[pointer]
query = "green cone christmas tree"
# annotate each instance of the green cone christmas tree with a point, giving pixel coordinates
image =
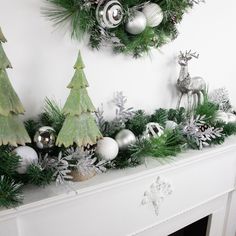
(79, 126)
(12, 130)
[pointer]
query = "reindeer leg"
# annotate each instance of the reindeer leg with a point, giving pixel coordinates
(189, 95)
(199, 98)
(179, 100)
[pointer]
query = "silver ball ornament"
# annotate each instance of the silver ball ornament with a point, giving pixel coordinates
(109, 13)
(222, 116)
(28, 156)
(136, 24)
(153, 14)
(231, 117)
(170, 125)
(153, 130)
(125, 138)
(107, 148)
(45, 137)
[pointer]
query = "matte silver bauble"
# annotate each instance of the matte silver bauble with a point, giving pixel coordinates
(107, 148)
(109, 13)
(222, 116)
(28, 156)
(153, 130)
(231, 117)
(153, 13)
(125, 138)
(170, 125)
(45, 137)
(136, 24)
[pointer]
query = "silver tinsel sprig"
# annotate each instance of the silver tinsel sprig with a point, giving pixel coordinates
(60, 166)
(193, 131)
(122, 114)
(220, 97)
(85, 161)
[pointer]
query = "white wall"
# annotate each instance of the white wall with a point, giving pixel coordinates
(43, 58)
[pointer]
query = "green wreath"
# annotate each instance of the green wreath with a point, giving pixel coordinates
(130, 27)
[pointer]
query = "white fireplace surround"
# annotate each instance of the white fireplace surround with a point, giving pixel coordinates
(156, 199)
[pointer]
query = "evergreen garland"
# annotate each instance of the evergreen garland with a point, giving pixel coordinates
(81, 15)
(55, 165)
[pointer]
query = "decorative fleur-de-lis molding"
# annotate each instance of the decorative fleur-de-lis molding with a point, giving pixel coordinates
(157, 192)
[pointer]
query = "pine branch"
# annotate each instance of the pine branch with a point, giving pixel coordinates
(10, 192)
(137, 124)
(8, 162)
(52, 115)
(160, 116)
(168, 144)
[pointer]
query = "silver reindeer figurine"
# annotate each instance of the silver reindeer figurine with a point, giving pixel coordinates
(191, 86)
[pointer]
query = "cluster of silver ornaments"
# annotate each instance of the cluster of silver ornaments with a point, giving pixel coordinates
(125, 138)
(109, 13)
(150, 16)
(45, 137)
(28, 156)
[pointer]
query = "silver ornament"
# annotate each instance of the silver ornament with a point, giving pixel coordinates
(153, 13)
(28, 156)
(109, 13)
(45, 137)
(222, 116)
(125, 138)
(231, 117)
(153, 130)
(136, 24)
(107, 148)
(170, 125)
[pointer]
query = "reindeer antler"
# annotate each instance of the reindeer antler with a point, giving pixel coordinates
(188, 55)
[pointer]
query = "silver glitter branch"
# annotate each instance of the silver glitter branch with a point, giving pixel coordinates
(86, 162)
(193, 131)
(220, 97)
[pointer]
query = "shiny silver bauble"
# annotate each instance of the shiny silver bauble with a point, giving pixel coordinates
(136, 24)
(28, 156)
(153, 14)
(109, 13)
(45, 137)
(107, 149)
(125, 138)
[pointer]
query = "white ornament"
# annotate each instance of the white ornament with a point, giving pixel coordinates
(28, 156)
(170, 125)
(154, 14)
(107, 148)
(153, 130)
(222, 116)
(125, 138)
(136, 24)
(231, 117)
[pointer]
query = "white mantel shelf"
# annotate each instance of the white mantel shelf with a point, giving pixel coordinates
(118, 193)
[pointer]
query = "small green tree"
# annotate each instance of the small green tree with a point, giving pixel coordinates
(12, 130)
(79, 127)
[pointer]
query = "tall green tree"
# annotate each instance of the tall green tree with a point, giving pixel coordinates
(12, 130)
(79, 127)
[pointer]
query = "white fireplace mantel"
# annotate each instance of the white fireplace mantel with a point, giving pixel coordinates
(152, 199)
